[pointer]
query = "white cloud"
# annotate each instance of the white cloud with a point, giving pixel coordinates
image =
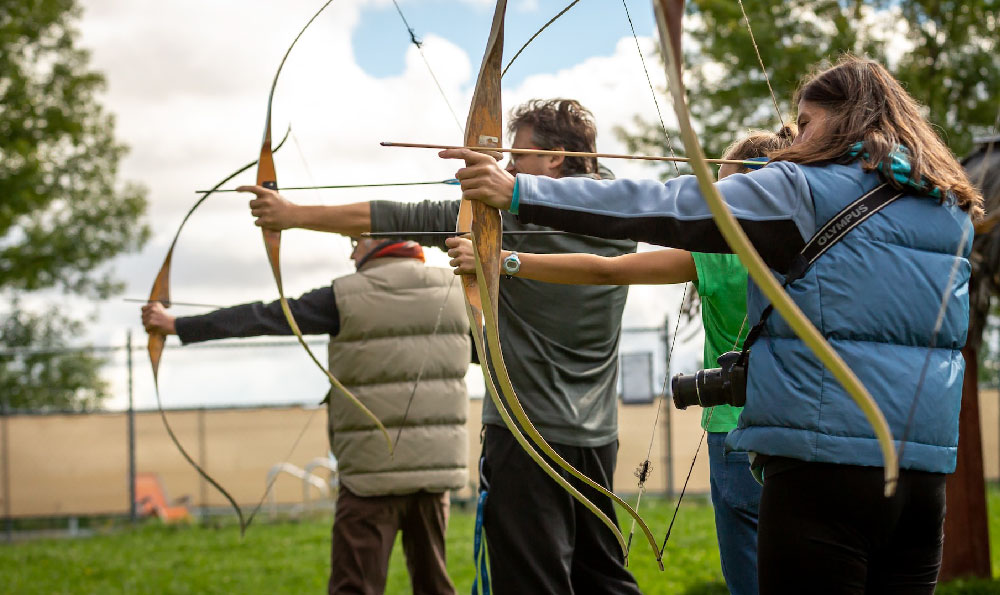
(527, 6)
(614, 88)
(189, 84)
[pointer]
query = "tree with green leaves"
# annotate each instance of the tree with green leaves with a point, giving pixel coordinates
(64, 212)
(954, 66)
(44, 375)
(946, 54)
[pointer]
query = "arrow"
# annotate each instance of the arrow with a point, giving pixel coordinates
(450, 234)
(168, 303)
(744, 163)
(449, 182)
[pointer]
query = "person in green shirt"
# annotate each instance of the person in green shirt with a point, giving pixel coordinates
(721, 281)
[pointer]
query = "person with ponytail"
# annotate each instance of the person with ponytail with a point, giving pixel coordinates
(891, 296)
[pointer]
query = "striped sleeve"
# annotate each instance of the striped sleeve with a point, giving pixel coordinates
(773, 205)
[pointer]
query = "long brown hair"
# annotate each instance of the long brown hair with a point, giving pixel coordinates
(865, 104)
(560, 123)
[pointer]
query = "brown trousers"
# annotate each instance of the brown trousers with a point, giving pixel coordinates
(364, 531)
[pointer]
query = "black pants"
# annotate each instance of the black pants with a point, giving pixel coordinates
(540, 539)
(827, 528)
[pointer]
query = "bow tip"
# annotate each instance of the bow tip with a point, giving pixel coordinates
(890, 485)
(389, 443)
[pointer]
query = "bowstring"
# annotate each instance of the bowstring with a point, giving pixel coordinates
(291, 451)
(644, 469)
(423, 363)
(704, 432)
(670, 146)
(244, 524)
(305, 166)
(537, 33)
(945, 298)
(420, 49)
(270, 484)
(312, 180)
(418, 43)
(763, 69)
(444, 302)
(701, 441)
(944, 303)
(652, 91)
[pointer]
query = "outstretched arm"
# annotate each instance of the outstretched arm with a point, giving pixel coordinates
(316, 312)
(274, 211)
(773, 205)
(658, 267)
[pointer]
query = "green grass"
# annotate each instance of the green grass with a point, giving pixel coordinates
(293, 557)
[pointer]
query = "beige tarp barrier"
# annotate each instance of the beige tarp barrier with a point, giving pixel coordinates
(66, 465)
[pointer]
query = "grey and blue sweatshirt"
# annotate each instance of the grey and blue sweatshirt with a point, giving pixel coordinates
(875, 296)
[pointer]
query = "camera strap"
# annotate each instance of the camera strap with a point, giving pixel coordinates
(832, 232)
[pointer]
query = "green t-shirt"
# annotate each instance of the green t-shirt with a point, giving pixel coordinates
(722, 285)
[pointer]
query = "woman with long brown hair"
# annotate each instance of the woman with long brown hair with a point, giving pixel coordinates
(875, 294)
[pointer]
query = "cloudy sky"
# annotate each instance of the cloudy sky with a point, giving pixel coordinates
(188, 82)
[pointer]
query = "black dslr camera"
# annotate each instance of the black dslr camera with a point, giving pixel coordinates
(725, 385)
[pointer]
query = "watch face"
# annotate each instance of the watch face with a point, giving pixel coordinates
(511, 264)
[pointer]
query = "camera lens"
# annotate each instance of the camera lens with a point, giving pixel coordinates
(706, 388)
(685, 390)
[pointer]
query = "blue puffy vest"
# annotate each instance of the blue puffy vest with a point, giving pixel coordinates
(875, 296)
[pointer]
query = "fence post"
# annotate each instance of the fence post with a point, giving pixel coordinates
(668, 429)
(8, 522)
(131, 431)
(202, 460)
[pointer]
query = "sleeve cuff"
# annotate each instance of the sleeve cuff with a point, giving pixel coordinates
(182, 330)
(515, 199)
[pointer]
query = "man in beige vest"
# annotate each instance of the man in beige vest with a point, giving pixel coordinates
(399, 340)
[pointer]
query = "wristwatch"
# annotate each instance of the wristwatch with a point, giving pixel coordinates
(511, 264)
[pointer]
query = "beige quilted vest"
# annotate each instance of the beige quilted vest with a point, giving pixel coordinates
(388, 313)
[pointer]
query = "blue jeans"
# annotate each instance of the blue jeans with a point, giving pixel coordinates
(736, 499)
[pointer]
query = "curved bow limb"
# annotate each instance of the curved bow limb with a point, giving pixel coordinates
(477, 340)
(484, 129)
(517, 410)
(160, 292)
(267, 178)
(668, 19)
